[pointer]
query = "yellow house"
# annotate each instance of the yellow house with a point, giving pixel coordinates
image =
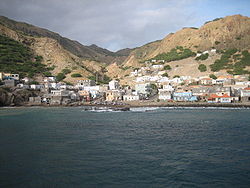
(113, 95)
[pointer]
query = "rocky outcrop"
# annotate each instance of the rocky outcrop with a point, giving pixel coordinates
(10, 97)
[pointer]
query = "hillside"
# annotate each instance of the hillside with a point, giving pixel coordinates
(231, 32)
(92, 53)
(54, 56)
(16, 57)
(229, 37)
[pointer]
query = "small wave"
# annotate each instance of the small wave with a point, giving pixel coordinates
(102, 109)
(144, 109)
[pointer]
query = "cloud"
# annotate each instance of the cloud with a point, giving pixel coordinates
(112, 24)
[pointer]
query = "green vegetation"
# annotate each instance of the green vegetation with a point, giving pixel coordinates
(76, 75)
(177, 53)
(241, 61)
(34, 82)
(125, 68)
(202, 68)
(202, 57)
(153, 86)
(167, 67)
(213, 76)
(102, 79)
(176, 76)
(60, 77)
(66, 71)
(223, 62)
(47, 74)
(91, 77)
(213, 20)
(239, 66)
(165, 74)
(217, 42)
(135, 69)
(15, 57)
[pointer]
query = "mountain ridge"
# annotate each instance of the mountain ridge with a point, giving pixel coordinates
(220, 34)
(92, 52)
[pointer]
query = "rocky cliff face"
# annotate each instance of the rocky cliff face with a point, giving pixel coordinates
(10, 97)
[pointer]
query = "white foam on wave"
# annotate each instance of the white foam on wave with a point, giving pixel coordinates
(144, 109)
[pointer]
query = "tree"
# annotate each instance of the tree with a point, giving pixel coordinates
(202, 57)
(60, 77)
(167, 67)
(75, 75)
(202, 68)
(47, 74)
(66, 71)
(213, 76)
(217, 42)
(165, 74)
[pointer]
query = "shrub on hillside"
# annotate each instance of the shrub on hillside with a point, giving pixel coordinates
(167, 67)
(60, 77)
(202, 68)
(75, 75)
(213, 76)
(202, 57)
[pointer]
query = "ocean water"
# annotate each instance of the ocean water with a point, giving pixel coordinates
(146, 147)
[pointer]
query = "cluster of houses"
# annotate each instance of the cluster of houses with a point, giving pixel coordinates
(145, 86)
(224, 88)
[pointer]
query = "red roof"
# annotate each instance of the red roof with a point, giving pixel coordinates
(206, 79)
(248, 88)
(217, 96)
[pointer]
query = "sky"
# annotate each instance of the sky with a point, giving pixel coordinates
(118, 24)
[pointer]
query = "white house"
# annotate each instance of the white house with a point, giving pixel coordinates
(168, 87)
(157, 66)
(55, 85)
(205, 52)
(60, 92)
(245, 94)
(213, 50)
(49, 79)
(164, 95)
(84, 83)
(23, 86)
(36, 87)
(142, 88)
(26, 80)
(131, 97)
(163, 80)
(113, 85)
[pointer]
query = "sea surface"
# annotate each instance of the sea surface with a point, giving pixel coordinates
(145, 147)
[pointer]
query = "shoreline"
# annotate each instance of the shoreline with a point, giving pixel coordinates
(143, 105)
